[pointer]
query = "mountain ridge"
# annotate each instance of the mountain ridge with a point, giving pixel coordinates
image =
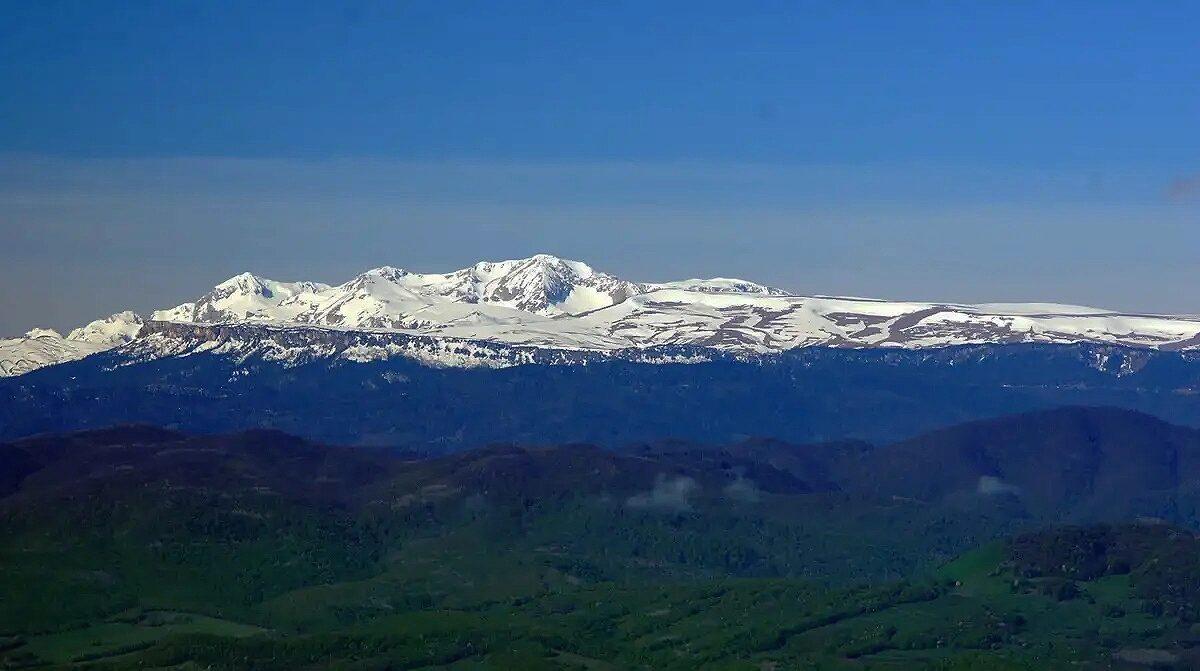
(550, 303)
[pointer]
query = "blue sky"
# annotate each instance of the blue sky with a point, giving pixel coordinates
(950, 151)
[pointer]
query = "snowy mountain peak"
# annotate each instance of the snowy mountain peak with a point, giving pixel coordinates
(36, 333)
(243, 283)
(386, 273)
(547, 285)
(542, 284)
(114, 330)
(543, 264)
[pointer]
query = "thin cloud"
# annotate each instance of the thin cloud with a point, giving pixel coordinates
(743, 489)
(669, 495)
(990, 485)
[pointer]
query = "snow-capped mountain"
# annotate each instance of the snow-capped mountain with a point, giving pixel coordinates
(390, 297)
(115, 330)
(497, 313)
(542, 284)
(246, 297)
(44, 347)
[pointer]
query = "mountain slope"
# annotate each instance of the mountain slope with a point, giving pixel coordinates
(309, 381)
(1061, 465)
(1064, 465)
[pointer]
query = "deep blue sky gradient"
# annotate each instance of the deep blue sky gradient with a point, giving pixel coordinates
(958, 151)
(816, 82)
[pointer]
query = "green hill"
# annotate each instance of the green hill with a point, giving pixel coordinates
(139, 548)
